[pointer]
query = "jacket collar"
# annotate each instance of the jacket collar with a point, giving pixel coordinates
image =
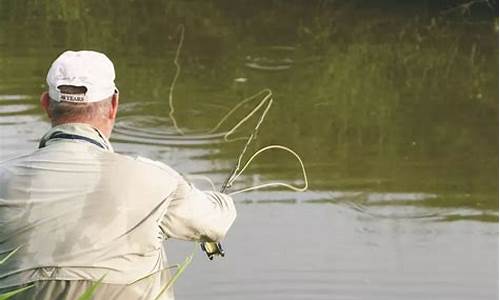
(76, 131)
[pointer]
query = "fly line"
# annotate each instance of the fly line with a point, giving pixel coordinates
(263, 105)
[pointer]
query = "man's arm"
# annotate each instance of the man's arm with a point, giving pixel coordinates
(198, 215)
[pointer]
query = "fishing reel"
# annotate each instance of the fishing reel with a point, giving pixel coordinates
(212, 249)
(215, 248)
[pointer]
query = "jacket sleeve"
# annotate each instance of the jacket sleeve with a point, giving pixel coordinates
(197, 215)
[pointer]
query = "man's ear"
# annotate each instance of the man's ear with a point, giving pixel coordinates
(114, 106)
(44, 102)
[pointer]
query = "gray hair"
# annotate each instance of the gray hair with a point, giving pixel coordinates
(68, 111)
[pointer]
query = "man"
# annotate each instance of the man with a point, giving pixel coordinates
(73, 211)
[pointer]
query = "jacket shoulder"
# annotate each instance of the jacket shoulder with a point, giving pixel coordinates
(152, 165)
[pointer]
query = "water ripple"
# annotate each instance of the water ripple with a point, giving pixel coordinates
(156, 131)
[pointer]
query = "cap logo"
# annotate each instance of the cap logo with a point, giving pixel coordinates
(72, 97)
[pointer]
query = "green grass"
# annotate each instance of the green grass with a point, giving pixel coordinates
(11, 294)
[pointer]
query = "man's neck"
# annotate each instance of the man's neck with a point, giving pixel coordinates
(83, 131)
(105, 129)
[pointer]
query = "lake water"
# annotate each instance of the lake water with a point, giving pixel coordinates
(393, 108)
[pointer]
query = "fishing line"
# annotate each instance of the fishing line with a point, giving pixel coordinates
(265, 103)
(260, 186)
(267, 92)
(268, 97)
(231, 177)
(174, 80)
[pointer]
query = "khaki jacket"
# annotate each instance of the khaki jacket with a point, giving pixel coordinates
(78, 211)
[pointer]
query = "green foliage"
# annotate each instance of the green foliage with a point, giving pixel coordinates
(182, 267)
(89, 292)
(3, 260)
(11, 294)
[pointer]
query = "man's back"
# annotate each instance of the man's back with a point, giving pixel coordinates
(75, 211)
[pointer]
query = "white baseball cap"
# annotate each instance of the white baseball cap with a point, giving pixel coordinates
(90, 69)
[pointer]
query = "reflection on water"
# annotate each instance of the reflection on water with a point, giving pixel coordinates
(275, 58)
(129, 130)
(395, 116)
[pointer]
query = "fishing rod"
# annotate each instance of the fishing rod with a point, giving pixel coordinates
(215, 248)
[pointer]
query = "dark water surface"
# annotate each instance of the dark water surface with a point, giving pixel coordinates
(393, 108)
